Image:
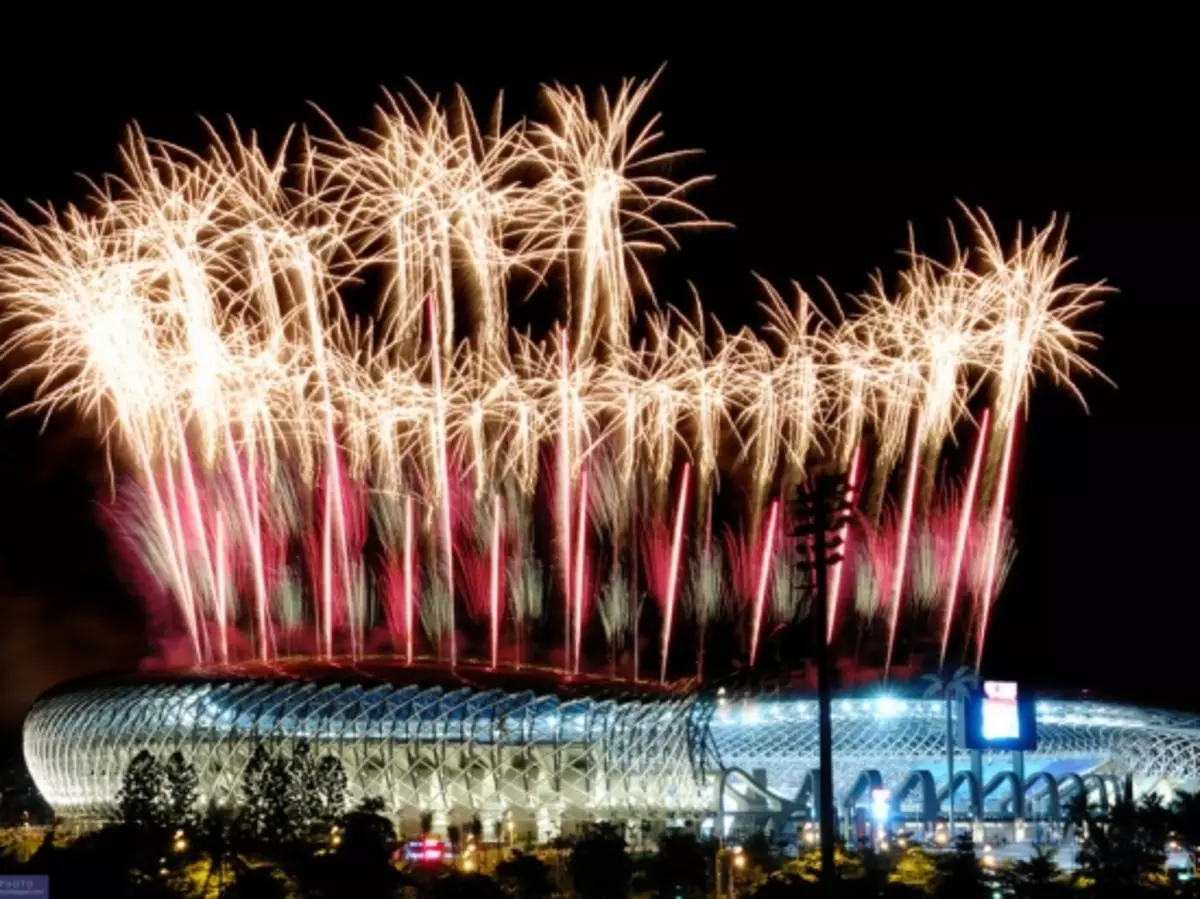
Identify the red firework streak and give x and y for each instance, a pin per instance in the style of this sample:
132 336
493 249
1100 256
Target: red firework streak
764 572
835 574
964 528
409 582
910 489
495 588
673 571
580 561
248 506
564 496
993 544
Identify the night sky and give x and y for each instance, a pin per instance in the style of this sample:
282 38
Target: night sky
825 150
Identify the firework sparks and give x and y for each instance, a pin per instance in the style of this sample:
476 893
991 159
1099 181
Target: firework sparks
199 316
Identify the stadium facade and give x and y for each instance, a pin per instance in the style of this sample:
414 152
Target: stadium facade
548 754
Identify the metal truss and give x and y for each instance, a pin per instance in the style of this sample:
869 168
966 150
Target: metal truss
775 738
464 750
458 751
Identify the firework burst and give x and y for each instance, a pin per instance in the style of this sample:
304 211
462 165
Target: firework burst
286 455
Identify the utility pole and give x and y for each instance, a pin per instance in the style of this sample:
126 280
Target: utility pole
820 511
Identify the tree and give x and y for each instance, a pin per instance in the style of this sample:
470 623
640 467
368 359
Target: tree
142 797
454 885
759 852
784 885
524 876
331 789
373 805
953 688
914 868
682 867
1127 855
1037 878
119 860
215 833
182 791
808 865
20 800
600 868
368 838
257 882
361 865
253 793
959 875
280 802
307 804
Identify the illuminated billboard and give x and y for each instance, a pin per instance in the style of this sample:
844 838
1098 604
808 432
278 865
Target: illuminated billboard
998 716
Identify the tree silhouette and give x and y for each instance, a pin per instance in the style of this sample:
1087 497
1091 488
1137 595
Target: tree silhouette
216 837
682 867
111 861
304 785
959 875
1127 855
182 790
525 876
1037 878
914 868
368 837
20 801
759 852
600 868
257 882
453 885
280 798
1185 820
786 885
142 798
330 789
253 794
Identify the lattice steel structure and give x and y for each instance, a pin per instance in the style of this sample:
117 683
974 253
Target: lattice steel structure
458 746
893 742
535 747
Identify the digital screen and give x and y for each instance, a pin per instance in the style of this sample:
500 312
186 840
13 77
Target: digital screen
1001 720
998 716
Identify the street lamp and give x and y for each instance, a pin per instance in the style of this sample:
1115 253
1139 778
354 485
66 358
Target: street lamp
821 511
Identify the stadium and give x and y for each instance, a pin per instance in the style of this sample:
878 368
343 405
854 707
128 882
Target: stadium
547 753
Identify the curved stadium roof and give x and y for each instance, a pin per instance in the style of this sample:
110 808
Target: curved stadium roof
536 744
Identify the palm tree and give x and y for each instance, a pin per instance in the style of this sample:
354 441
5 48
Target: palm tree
954 688
1185 819
1038 878
1128 854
